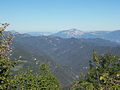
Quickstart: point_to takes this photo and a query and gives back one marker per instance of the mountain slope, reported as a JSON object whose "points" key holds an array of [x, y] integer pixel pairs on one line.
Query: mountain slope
{"points": [[75, 33], [29, 59], [67, 57], [70, 52]]}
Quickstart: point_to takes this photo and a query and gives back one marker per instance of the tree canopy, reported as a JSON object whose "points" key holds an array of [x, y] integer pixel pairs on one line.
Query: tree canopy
{"points": [[103, 74]]}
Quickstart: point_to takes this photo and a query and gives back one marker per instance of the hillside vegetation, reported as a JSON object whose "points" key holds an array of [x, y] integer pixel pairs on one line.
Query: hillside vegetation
{"points": [[54, 63], [28, 80]]}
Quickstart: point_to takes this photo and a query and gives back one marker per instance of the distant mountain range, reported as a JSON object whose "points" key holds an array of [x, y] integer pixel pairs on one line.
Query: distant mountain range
{"points": [[39, 33], [75, 33]]}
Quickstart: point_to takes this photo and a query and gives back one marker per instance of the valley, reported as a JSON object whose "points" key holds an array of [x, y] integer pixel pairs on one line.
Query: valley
{"points": [[67, 57]]}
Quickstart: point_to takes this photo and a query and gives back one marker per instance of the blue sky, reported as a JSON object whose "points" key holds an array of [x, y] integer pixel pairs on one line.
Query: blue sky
{"points": [[56, 15]]}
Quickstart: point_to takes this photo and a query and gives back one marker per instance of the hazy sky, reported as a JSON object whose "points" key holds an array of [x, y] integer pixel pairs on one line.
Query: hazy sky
{"points": [[55, 15]]}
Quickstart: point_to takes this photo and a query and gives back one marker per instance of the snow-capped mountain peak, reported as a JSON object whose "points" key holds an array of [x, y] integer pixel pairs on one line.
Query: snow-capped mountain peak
{"points": [[69, 33], [72, 31]]}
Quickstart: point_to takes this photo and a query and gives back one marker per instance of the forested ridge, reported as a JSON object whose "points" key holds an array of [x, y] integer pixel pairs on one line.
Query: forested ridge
{"points": [[103, 72]]}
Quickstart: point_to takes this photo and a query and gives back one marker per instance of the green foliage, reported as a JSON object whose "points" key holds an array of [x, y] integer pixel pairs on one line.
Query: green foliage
{"points": [[5, 66], [104, 74], [36, 81], [5, 63]]}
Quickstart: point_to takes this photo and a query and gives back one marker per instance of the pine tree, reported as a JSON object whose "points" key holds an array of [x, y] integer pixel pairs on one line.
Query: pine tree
{"points": [[104, 74]]}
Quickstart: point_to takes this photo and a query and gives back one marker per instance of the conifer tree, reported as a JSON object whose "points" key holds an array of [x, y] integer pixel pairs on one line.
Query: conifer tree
{"points": [[104, 74]]}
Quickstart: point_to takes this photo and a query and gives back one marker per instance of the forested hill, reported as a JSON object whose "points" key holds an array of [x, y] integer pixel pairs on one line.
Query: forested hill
{"points": [[70, 56]]}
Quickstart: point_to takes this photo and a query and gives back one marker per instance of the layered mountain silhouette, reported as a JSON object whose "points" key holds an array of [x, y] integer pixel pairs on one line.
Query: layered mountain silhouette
{"points": [[75, 33], [66, 56]]}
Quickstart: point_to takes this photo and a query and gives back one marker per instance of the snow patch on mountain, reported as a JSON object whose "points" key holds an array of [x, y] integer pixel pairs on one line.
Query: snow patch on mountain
{"points": [[69, 33]]}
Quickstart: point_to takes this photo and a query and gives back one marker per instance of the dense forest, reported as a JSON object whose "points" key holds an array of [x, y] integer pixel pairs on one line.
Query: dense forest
{"points": [[103, 71]]}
